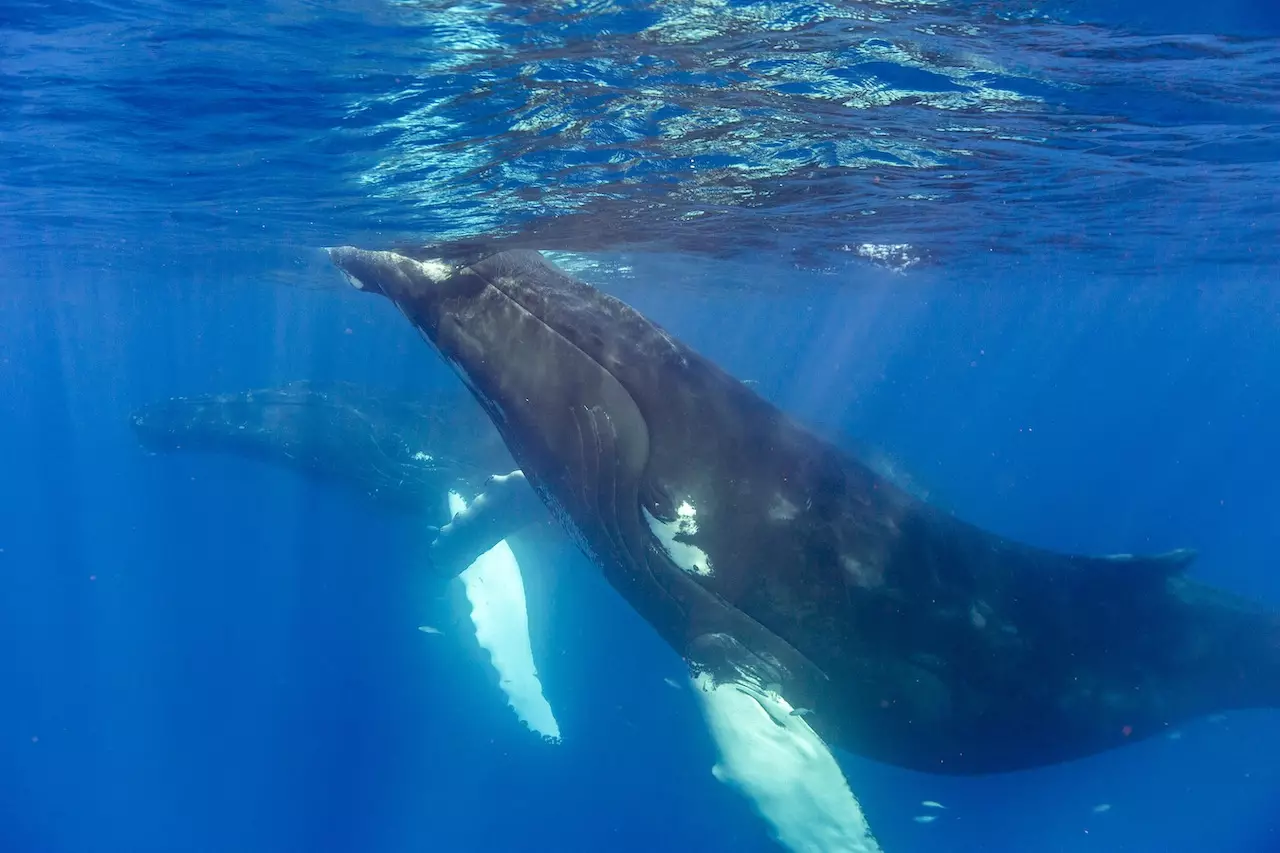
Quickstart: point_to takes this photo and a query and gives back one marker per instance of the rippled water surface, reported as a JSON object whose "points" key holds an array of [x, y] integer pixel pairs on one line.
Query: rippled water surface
{"points": [[900, 132]]}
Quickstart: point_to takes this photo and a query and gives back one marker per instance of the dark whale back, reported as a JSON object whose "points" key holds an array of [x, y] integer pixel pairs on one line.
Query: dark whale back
{"points": [[396, 449]]}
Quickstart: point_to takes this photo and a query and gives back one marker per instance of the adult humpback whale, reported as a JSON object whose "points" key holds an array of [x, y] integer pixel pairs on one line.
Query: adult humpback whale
{"points": [[764, 554]]}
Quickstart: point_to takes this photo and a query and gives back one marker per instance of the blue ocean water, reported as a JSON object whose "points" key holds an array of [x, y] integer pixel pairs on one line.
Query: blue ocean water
{"points": [[1026, 255]]}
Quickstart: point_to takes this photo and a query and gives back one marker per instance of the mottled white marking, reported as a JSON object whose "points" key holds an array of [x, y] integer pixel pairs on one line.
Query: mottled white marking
{"points": [[925, 818], [782, 509], [860, 574], [689, 558], [435, 269], [780, 764], [496, 592], [422, 457]]}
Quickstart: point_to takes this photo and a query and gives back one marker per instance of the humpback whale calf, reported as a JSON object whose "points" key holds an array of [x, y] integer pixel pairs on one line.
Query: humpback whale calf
{"points": [[780, 566], [403, 454], [417, 457]]}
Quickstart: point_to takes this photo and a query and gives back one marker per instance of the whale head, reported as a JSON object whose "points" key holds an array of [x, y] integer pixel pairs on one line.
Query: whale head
{"points": [[526, 340]]}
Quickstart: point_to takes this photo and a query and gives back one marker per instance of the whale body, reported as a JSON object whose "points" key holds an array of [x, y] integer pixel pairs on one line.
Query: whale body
{"points": [[761, 552]]}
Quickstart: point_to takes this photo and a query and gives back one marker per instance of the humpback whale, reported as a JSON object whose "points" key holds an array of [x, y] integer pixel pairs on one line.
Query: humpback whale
{"points": [[404, 454], [395, 450], [771, 559], [409, 455]]}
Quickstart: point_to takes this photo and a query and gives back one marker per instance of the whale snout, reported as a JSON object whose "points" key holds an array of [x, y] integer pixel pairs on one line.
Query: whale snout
{"points": [[416, 283], [357, 267]]}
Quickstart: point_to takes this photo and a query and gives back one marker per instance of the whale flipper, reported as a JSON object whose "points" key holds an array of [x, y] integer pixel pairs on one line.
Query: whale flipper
{"points": [[495, 590], [770, 755], [507, 504]]}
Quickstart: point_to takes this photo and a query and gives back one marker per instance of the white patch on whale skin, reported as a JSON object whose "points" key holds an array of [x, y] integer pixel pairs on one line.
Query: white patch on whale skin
{"points": [[422, 457], [857, 573], [690, 558], [782, 509], [496, 592], [436, 269], [771, 756]]}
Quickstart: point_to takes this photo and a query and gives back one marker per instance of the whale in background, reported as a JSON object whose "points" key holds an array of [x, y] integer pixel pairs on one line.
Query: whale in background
{"points": [[394, 449], [403, 454], [428, 460]]}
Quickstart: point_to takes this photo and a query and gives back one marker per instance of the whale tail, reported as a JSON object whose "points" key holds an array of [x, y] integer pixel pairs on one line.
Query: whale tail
{"points": [[1238, 639], [1261, 670], [1271, 687], [1226, 646]]}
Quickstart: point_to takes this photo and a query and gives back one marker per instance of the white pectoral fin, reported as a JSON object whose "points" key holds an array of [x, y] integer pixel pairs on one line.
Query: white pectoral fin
{"points": [[770, 755], [507, 505], [495, 589]]}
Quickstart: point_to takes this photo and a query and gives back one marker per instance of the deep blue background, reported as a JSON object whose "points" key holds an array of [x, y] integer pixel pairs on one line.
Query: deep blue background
{"points": [[207, 654]]}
